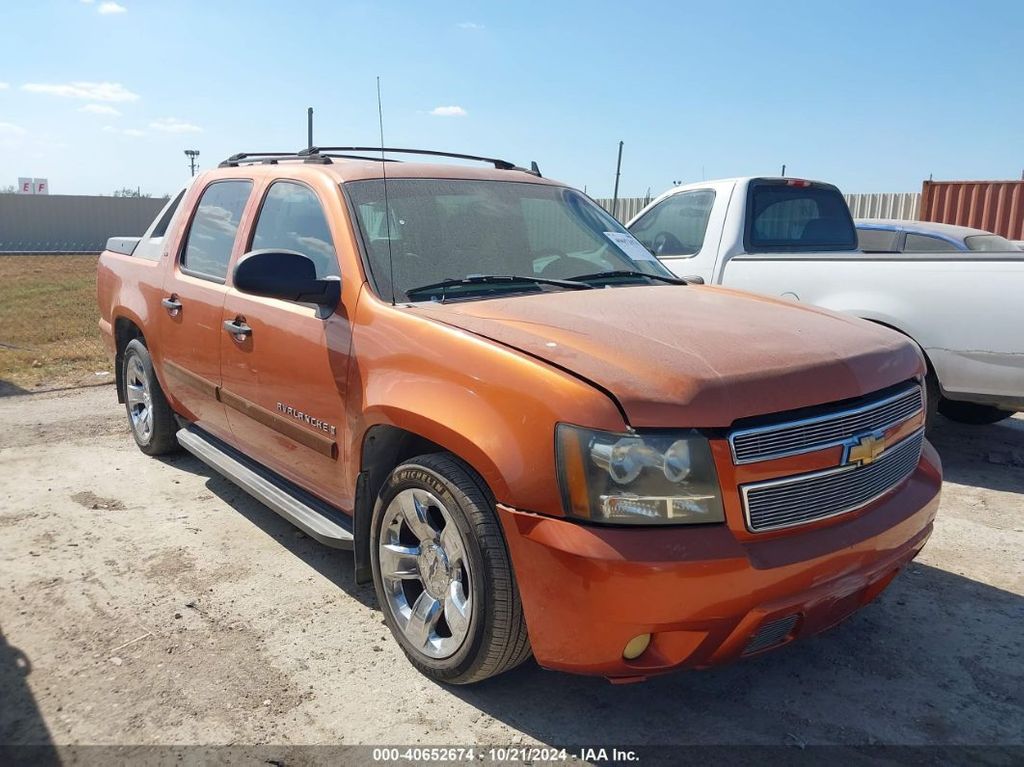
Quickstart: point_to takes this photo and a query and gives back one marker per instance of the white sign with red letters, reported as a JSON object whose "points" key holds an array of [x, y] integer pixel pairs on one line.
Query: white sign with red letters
{"points": [[33, 186]]}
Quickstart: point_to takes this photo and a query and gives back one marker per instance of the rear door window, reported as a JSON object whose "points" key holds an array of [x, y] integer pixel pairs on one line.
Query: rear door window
{"points": [[211, 235], [878, 240], [923, 243], [676, 226], [797, 216], [292, 218]]}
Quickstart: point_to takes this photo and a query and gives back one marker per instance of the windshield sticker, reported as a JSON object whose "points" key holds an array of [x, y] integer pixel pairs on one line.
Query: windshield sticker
{"points": [[630, 245]]}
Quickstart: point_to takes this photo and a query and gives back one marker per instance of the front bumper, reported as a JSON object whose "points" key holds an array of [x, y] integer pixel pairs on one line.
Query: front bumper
{"points": [[702, 593]]}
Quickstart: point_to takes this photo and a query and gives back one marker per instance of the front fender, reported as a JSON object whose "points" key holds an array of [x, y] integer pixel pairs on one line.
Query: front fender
{"points": [[492, 406], [462, 436]]}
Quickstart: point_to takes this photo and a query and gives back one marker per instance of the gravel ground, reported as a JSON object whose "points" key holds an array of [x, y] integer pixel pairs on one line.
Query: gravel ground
{"points": [[150, 601]]}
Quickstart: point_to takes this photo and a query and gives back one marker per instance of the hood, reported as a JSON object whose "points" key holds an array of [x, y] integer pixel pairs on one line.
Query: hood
{"points": [[694, 356]]}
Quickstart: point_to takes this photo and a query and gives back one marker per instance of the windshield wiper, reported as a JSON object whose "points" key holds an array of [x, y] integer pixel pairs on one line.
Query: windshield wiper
{"points": [[494, 279], [629, 273]]}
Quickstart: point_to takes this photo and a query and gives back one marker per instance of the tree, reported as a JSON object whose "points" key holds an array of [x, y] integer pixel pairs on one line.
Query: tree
{"points": [[127, 191]]}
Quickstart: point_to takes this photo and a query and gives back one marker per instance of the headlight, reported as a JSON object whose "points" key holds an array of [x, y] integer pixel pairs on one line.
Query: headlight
{"points": [[661, 479]]}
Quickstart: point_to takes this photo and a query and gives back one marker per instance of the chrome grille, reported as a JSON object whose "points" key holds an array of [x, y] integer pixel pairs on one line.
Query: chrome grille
{"points": [[763, 443], [803, 498]]}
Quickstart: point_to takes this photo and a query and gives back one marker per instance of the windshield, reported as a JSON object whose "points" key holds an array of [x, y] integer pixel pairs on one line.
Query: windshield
{"points": [[988, 242], [443, 229]]}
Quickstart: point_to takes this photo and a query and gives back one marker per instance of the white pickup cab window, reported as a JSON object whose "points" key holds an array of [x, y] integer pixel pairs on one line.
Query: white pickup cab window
{"points": [[677, 225]]}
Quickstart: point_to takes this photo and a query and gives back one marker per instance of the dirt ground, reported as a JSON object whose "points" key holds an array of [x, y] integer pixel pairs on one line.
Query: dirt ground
{"points": [[151, 602]]}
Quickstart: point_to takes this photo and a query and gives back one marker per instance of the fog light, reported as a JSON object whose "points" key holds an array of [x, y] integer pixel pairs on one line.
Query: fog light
{"points": [[635, 647]]}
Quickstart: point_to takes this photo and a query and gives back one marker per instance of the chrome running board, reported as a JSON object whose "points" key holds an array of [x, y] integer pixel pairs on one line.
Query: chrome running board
{"points": [[311, 515]]}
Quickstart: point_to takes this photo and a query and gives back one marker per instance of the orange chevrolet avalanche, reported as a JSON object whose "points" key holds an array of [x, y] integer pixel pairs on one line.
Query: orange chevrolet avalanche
{"points": [[535, 438]]}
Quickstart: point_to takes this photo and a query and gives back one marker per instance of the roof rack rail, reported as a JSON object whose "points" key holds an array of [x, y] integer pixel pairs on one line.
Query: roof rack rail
{"points": [[329, 151], [322, 155], [270, 158]]}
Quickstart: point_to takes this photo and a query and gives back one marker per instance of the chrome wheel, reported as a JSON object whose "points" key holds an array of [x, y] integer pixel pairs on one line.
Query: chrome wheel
{"points": [[140, 402], [425, 573]]}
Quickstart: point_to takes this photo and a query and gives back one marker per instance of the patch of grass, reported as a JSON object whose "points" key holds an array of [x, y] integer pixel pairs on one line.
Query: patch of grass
{"points": [[49, 335]]}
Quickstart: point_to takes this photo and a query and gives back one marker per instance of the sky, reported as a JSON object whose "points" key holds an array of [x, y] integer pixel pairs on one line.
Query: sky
{"points": [[96, 95]]}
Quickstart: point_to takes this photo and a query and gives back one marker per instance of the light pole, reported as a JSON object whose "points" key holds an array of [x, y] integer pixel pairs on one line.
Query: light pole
{"points": [[192, 154]]}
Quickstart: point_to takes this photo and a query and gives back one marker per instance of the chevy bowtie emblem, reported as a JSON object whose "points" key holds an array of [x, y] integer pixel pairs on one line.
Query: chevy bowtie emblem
{"points": [[865, 449]]}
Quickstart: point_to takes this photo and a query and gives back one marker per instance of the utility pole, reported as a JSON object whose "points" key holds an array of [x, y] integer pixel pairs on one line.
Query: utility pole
{"points": [[309, 128], [192, 154], [615, 196]]}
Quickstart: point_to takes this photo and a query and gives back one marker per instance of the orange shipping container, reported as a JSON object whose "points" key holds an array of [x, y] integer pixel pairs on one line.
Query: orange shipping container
{"points": [[995, 206]]}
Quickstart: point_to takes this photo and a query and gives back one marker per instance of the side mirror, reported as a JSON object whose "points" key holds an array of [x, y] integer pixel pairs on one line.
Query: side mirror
{"points": [[288, 275], [694, 279]]}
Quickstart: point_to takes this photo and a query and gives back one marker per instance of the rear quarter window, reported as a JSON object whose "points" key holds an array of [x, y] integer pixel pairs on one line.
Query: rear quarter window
{"points": [[988, 242], [877, 240], [150, 246], [787, 216]]}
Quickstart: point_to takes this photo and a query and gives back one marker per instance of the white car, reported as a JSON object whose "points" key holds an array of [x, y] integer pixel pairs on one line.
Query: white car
{"points": [[796, 238]]}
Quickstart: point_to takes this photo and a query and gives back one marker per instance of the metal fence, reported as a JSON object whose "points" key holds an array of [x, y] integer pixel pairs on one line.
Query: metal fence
{"points": [[626, 208], [903, 206], [899, 205], [62, 223]]}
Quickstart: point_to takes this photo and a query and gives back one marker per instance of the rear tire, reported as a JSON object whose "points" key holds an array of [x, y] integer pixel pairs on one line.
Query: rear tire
{"points": [[442, 573], [972, 412], [150, 418]]}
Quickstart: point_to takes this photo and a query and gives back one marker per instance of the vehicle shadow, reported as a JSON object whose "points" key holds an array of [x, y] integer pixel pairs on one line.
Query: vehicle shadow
{"points": [[21, 722], [8, 389], [982, 456], [334, 564], [962, 683]]}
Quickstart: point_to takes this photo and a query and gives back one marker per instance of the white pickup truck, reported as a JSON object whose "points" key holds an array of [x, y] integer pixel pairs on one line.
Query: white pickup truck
{"points": [[795, 238]]}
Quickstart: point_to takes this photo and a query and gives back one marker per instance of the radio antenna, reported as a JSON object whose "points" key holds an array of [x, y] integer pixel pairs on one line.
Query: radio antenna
{"points": [[387, 208]]}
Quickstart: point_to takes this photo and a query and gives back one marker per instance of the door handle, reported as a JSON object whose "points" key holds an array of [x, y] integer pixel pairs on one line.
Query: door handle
{"points": [[172, 305], [238, 328]]}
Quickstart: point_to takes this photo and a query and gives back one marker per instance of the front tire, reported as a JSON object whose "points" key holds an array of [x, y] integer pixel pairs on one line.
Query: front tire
{"points": [[933, 395], [149, 416], [442, 572], [972, 412]]}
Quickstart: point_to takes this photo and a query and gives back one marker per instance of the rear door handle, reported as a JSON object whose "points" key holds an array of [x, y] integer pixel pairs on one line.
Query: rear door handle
{"points": [[172, 305], [238, 328]]}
